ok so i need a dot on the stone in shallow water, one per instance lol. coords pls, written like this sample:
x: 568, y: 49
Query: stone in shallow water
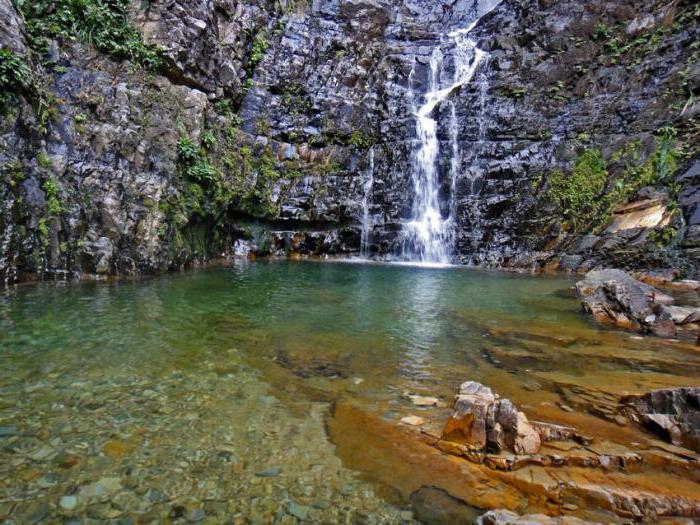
x: 423, y: 401
x: 270, y: 472
x: 117, y: 449
x: 301, y: 512
x: 8, y: 431
x: 412, y: 420
x: 434, y: 506
x: 481, y: 420
x: 68, y: 502
x: 103, y: 487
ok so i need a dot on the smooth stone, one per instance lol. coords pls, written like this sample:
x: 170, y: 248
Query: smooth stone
x: 413, y: 421
x: 300, y: 512
x: 43, y: 453
x: 8, y: 431
x: 68, y: 502
x: 270, y: 472
x: 424, y: 401
x: 117, y: 449
x: 103, y: 487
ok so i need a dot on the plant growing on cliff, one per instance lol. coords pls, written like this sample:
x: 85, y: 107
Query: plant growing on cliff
x: 103, y: 24
x: 577, y: 194
x: 587, y: 195
x: 17, y: 78
x: 361, y: 140
x: 53, y: 202
x: 201, y: 171
x: 258, y: 49
x: 187, y: 151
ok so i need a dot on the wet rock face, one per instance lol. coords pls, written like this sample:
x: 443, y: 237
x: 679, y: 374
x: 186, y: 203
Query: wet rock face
x: 672, y: 413
x: 316, y: 86
x: 614, y: 297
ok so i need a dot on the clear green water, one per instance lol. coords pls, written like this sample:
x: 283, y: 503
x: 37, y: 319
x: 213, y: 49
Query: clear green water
x: 213, y: 395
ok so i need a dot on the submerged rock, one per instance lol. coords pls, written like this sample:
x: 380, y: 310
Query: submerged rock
x: 672, y: 413
x: 414, y: 421
x: 506, y: 517
x: 435, y: 506
x: 614, y: 297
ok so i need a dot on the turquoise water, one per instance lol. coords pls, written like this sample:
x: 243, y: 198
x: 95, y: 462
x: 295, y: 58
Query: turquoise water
x: 217, y: 394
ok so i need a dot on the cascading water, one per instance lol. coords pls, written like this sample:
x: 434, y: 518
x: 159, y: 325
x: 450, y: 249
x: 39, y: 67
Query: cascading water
x: 367, y: 218
x: 429, y: 235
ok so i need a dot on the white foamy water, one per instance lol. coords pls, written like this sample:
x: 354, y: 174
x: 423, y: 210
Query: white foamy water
x: 429, y: 235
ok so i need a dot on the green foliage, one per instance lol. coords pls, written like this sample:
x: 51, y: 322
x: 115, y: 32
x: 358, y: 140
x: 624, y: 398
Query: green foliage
x: 17, y: 78
x: 43, y: 160
x: 103, y: 24
x: 208, y: 139
x: 43, y: 229
x: 665, y: 158
x: 577, y: 195
x: 258, y: 49
x: 361, y: 140
x: 201, y: 171
x: 53, y: 202
x: 587, y: 195
x: 187, y: 150
x: 514, y: 92
x: 15, y: 173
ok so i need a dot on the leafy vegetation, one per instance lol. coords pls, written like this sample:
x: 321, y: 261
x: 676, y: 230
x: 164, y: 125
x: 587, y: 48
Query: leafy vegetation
x: 587, y: 195
x: 53, y: 203
x: 103, y: 24
x: 361, y: 140
x: 17, y: 78
x: 258, y: 49
x: 187, y: 151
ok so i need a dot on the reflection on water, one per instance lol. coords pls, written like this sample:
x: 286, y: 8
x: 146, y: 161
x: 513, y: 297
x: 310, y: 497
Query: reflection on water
x: 207, y: 394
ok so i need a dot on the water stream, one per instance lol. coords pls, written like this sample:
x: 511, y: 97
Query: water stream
x: 429, y: 235
x: 367, y: 217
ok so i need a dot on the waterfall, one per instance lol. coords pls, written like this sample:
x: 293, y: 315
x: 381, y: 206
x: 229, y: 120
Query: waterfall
x: 367, y: 218
x: 429, y: 234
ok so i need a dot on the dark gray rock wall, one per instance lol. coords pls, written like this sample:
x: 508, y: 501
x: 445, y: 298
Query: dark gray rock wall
x: 335, y: 80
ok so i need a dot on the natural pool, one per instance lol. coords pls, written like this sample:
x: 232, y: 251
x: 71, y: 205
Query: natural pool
x: 272, y: 392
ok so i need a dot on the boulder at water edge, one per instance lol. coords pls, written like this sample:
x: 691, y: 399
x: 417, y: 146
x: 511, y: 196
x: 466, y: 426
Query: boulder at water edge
x: 484, y: 422
x: 614, y: 297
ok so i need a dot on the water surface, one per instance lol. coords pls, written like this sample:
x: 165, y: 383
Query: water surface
x: 272, y: 391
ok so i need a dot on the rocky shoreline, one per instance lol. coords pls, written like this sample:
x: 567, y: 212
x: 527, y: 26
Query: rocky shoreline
x: 488, y: 430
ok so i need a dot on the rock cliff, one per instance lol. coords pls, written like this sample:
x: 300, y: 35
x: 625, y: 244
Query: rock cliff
x: 288, y: 126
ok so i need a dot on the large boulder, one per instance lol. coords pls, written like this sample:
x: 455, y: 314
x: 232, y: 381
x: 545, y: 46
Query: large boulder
x: 614, y: 297
x: 484, y: 422
x: 672, y: 413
